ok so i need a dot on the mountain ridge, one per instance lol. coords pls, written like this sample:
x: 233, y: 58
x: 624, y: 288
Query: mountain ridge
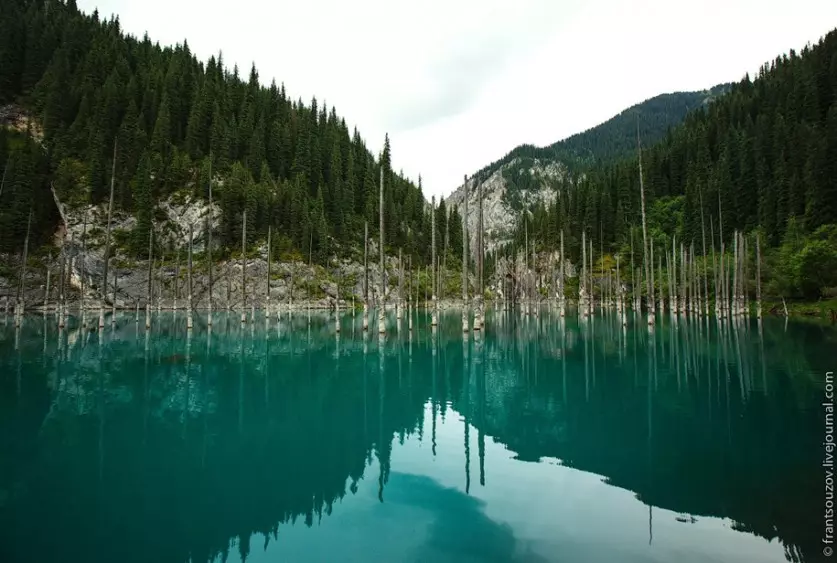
x: 529, y: 175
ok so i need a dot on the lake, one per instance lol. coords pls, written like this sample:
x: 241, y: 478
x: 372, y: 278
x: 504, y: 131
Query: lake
x: 543, y: 439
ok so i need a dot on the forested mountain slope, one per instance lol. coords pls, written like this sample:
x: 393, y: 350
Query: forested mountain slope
x: 88, y: 92
x: 529, y: 176
x: 761, y: 158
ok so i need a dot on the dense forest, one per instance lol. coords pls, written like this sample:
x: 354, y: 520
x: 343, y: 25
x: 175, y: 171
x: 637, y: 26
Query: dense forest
x: 760, y: 159
x: 95, y: 93
x: 614, y: 139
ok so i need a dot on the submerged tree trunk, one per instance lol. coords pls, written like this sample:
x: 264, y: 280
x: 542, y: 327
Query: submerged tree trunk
x: 21, y: 287
x: 478, y: 316
x: 382, y: 328
x: 104, y: 291
x: 189, y: 283
x: 267, y: 290
x: 465, y: 312
x: 244, y: 267
x: 645, y: 237
x: 434, y: 314
x: 81, y: 270
x: 561, y: 277
x: 758, y: 277
x: 366, y: 275
x: 209, y: 243
x: 150, y: 266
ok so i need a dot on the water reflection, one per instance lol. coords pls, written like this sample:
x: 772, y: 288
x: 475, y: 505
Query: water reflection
x: 125, y: 444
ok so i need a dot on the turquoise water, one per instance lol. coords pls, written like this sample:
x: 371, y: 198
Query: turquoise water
x: 542, y: 440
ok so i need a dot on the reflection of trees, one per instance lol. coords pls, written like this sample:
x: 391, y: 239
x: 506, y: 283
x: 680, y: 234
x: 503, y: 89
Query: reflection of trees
x: 681, y: 417
x: 199, y: 456
x: 258, y: 427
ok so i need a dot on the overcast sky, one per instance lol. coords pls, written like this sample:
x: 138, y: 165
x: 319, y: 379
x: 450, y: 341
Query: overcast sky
x: 459, y: 83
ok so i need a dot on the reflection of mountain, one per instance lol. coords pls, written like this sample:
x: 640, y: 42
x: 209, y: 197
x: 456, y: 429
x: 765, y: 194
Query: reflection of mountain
x: 243, y: 452
x: 116, y: 453
x: 688, y: 426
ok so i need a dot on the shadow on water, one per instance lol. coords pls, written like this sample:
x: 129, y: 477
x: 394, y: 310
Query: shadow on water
x: 126, y: 445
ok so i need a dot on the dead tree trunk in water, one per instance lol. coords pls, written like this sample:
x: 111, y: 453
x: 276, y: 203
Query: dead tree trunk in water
x: 81, y: 269
x: 176, y: 277
x: 649, y: 281
x: 189, y: 286
x: 433, y: 315
x: 582, y: 280
x: 209, y: 242
x: 21, y: 287
x: 561, y: 274
x: 150, y: 266
x: 244, y: 267
x: 107, y: 241
x: 478, y: 317
x: 267, y: 290
x: 382, y: 328
x: 366, y: 275
x: 465, y: 315
x: 758, y: 277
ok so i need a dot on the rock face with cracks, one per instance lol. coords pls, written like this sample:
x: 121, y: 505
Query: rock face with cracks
x: 81, y: 245
x: 500, y: 217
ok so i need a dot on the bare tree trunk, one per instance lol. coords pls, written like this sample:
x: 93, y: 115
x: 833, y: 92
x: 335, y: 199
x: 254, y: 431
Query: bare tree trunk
x: 735, y: 297
x: 693, y: 281
x: 46, y: 289
x: 107, y: 240
x: 113, y: 303
x: 150, y: 266
x: 478, y: 319
x: 382, y: 327
x: 465, y: 311
x: 267, y: 290
x: 561, y: 284
x: 61, y: 302
x: 160, y: 285
x: 244, y: 267
x: 433, y: 315
x: 21, y: 288
x: 189, y: 286
x: 410, y: 293
x: 652, y: 297
x: 400, y: 283
x: 675, y: 305
x: 176, y: 278
x: 633, y: 278
x: 81, y: 270
x: 582, y: 280
x: 661, y: 299
x: 758, y: 277
x: 645, y: 236
x: 705, y: 273
x: 590, y: 298
x: 366, y: 275
x: 209, y: 243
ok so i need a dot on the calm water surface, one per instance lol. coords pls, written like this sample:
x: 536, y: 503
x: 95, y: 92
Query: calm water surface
x: 542, y: 440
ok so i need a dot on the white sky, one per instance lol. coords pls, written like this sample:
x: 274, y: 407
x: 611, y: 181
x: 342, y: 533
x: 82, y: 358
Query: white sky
x: 459, y: 83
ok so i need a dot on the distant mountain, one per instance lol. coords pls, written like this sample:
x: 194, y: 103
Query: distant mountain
x: 616, y: 138
x: 530, y: 174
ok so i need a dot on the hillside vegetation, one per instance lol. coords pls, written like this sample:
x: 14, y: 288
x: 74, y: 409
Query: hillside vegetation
x: 95, y: 93
x: 761, y: 159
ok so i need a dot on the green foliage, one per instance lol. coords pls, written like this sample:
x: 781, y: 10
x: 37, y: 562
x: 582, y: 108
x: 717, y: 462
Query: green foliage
x: 805, y: 266
x: 761, y: 156
x: 294, y: 167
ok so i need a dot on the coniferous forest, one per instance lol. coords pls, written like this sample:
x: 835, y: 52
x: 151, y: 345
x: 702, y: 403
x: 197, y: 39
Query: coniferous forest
x: 760, y: 159
x: 170, y: 119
